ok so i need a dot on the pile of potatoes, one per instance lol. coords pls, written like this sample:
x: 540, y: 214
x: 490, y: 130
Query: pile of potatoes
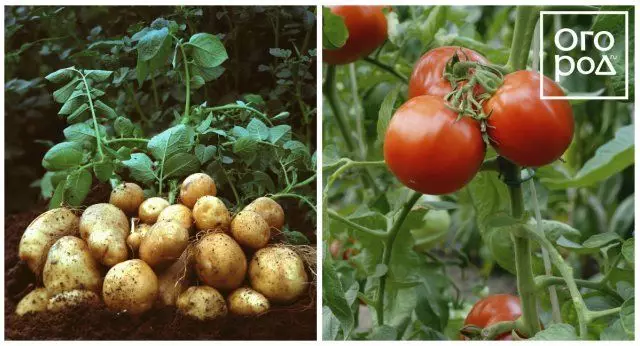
x: 190, y: 255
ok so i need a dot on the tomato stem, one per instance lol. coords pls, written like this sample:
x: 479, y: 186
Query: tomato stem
x: 526, y: 19
x: 386, y: 68
x: 493, y: 331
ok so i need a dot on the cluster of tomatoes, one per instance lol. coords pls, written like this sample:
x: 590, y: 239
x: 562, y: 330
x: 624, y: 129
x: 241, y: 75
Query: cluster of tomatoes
x: 433, y: 149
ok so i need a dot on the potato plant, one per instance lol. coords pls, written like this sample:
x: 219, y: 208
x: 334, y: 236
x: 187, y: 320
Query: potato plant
x: 459, y: 205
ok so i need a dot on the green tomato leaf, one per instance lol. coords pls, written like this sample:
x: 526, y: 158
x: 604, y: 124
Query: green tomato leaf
x: 556, y: 332
x: 208, y: 50
x: 63, y: 156
x: 386, y: 112
x: 334, y: 30
x: 333, y: 296
x: 623, y: 217
x: 383, y: 332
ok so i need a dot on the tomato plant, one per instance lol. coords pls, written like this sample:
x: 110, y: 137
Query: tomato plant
x: 479, y: 209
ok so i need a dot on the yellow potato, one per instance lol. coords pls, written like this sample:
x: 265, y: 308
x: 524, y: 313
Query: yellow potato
x: 150, y: 209
x: 195, y: 186
x: 135, y: 238
x: 202, y: 303
x: 220, y: 262
x: 270, y: 211
x: 164, y: 243
x: 249, y: 229
x: 105, y: 228
x: 34, y: 301
x: 247, y: 302
x: 177, y: 213
x: 70, y: 299
x: 175, y: 279
x: 130, y: 286
x: 42, y: 232
x: 127, y: 197
x: 103, y: 214
x: 278, y: 273
x: 210, y: 213
x: 70, y: 266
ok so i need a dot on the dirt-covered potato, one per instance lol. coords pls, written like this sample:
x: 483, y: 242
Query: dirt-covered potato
x: 249, y: 229
x: 175, y: 279
x: 135, y: 238
x: 210, y: 213
x: 130, y: 286
x: 195, y: 186
x: 127, y: 197
x: 70, y: 266
x: 247, y: 302
x: 34, y: 301
x: 220, y: 262
x: 177, y: 213
x: 278, y: 273
x: 270, y: 211
x: 105, y: 228
x: 70, y: 299
x: 202, y: 303
x: 164, y: 243
x: 150, y: 209
x: 42, y: 232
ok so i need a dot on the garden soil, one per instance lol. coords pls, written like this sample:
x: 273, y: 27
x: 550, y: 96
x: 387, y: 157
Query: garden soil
x: 293, y: 322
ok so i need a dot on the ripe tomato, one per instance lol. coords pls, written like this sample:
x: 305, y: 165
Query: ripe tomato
x: 367, y: 27
x: 494, y: 309
x: 426, y: 78
x: 428, y: 150
x: 525, y: 129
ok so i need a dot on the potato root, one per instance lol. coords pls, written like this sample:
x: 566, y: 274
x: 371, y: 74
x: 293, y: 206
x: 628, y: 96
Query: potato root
x: 278, y: 273
x: 70, y: 299
x: 70, y: 266
x: 270, y: 211
x: 135, y: 238
x: 195, y: 186
x: 34, y: 301
x: 127, y: 197
x: 130, y: 286
x: 163, y: 243
x: 150, y: 209
x: 220, y: 262
x: 202, y: 303
x: 177, y: 213
x: 210, y: 213
x: 42, y: 232
x: 175, y: 279
x: 249, y: 229
x: 246, y: 302
x: 105, y: 228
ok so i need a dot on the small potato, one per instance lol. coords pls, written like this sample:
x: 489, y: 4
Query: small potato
x: 278, y: 273
x: 250, y: 229
x: 70, y: 266
x: 134, y: 239
x: 150, y: 209
x: 164, y: 243
x: 177, y: 213
x: 175, y: 279
x: 270, y: 211
x: 70, y: 299
x: 210, y: 213
x: 35, y: 301
x: 195, y: 186
x: 247, y: 302
x: 127, y: 197
x: 220, y: 262
x: 202, y: 303
x: 130, y: 286
x: 42, y: 232
x: 105, y: 228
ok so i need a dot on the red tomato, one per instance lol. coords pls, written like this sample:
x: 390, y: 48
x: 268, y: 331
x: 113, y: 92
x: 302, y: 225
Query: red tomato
x: 367, y: 27
x: 525, y: 129
x: 494, y: 309
x: 426, y: 78
x: 428, y: 150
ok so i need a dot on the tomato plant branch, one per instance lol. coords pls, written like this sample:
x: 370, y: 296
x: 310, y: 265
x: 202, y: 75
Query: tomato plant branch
x: 334, y: 215
x: 386, y: 252
x: 526, y: 19
x: 386, y: 68
x: 592, y: 315
x: 544, y: 281
x: 493, y: 331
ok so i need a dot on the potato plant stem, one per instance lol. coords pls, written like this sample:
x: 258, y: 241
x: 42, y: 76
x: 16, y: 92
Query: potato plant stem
x: 93, y: 115
x: 187, y: 83
x: 237, y: 106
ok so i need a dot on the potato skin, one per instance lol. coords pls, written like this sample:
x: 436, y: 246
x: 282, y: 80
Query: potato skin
x: 70, y: 266
x: 270, y: 211
x: 220, y: 262
x: 135, y: 238
x: 164, y: 243
x: 42, y: 232
x: 104, y: 214
x: 34, y: 301
x: 177, y: 213
x: 130, y: 286
x: 195, y: 186
x: 150, y: 209
x: 70, y: 299
x: 249, y: 229
x: 105, y: 228
x: 278, y: 273
x: 175, y: 279
x: 246, y: 302
x: 127, y: 197
x: 210, y: 213
x: 202, y: 303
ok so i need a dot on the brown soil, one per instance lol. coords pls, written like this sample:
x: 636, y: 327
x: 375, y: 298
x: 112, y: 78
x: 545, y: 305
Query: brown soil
x: 294, y: 322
